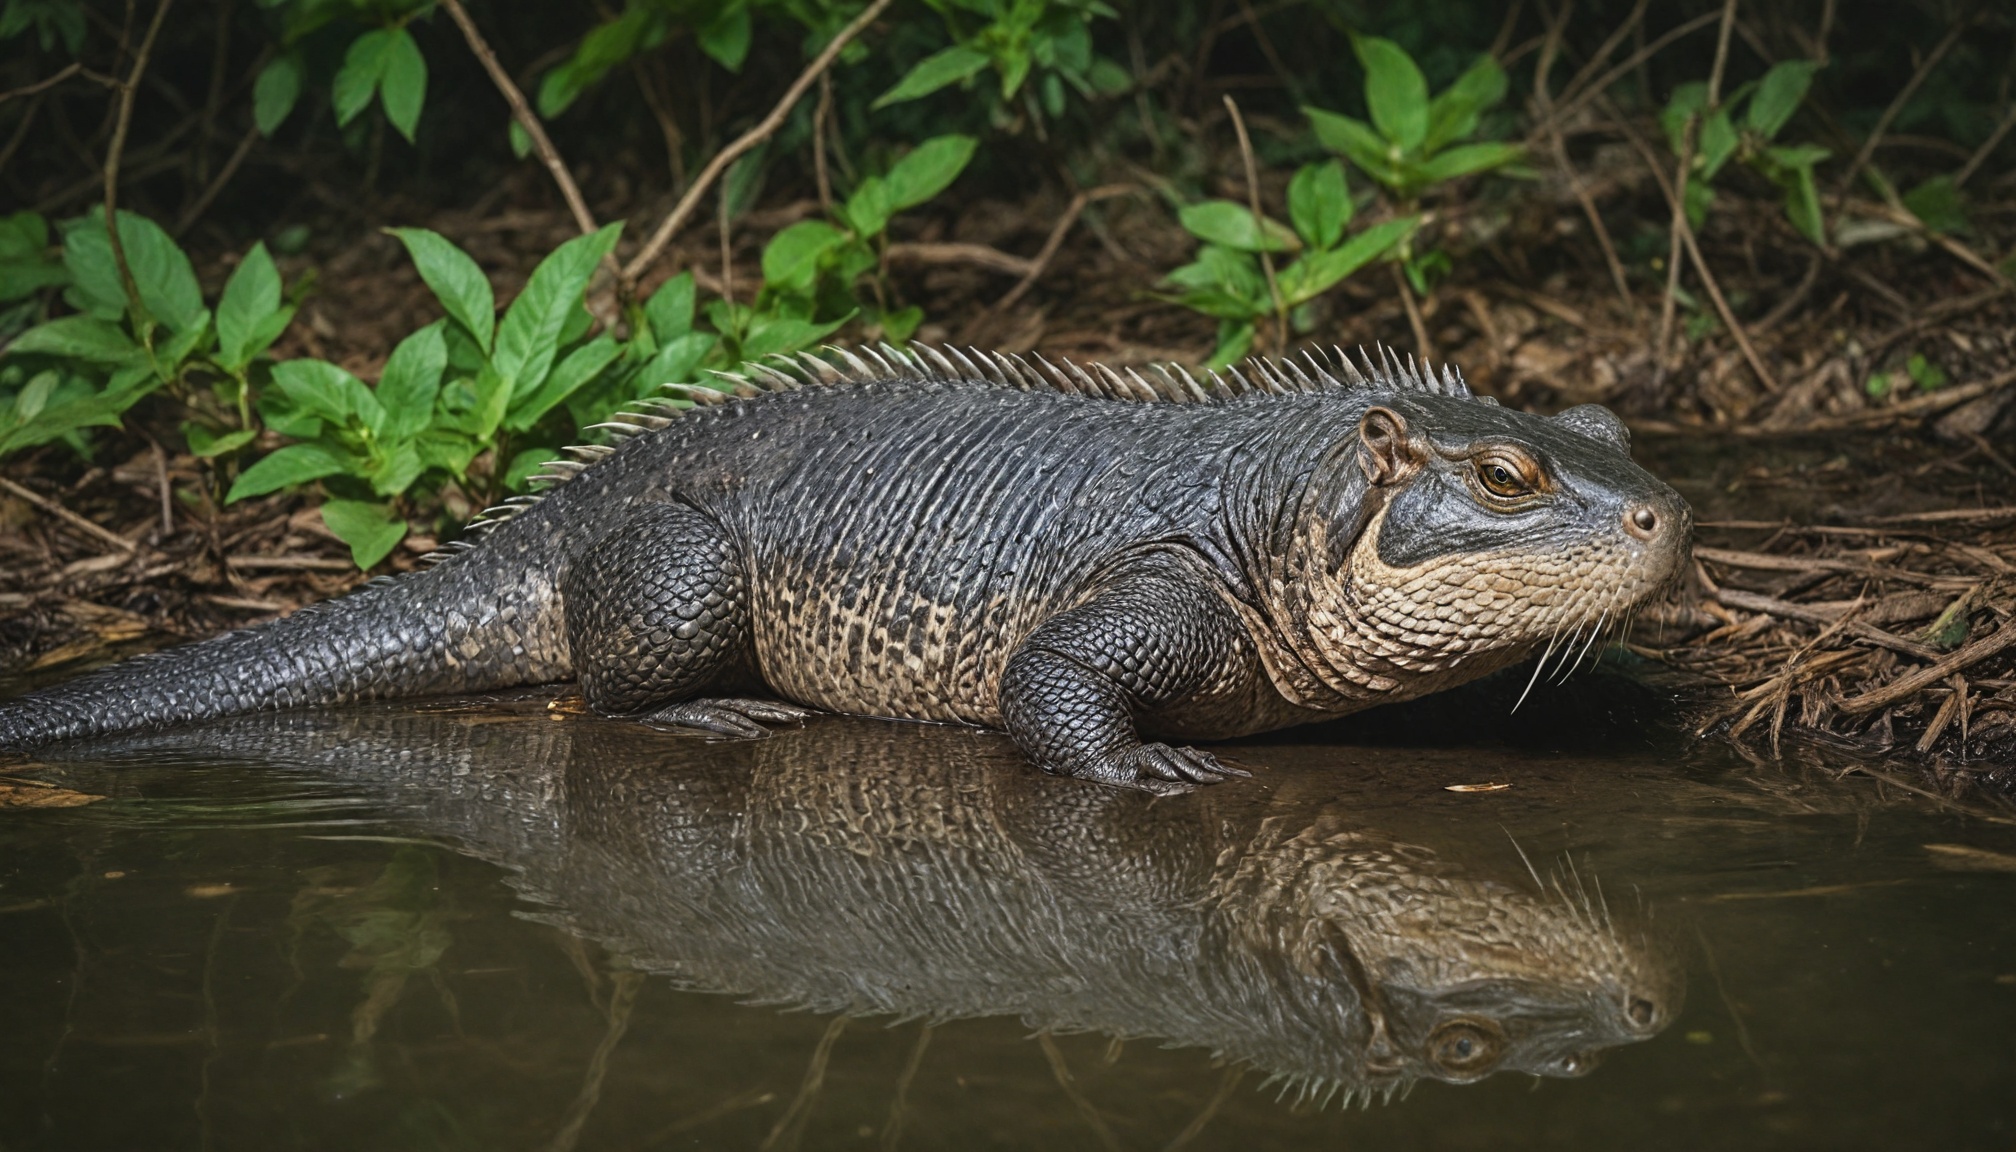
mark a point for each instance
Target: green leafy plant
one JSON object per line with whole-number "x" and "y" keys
{"x": 1743, "y": 128}
{"x": 120, "y": 346}
{"x": 1228, "y": 281}
{"x": 456, "y": 389}
{"x": 383, "y": 62}
{"x": 1917, "y": 371}
{"x": 1416, "y": 143}
{"x": 1050, "y": 40}
{"x": 811, "y": 269}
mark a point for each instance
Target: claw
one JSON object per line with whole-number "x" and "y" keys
{"x": 731, "y": 717}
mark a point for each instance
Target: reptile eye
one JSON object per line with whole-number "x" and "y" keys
{"x": 1465, "y": 1048}
{"x": 1503, "y": 478}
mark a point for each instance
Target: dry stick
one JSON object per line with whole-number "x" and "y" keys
{"x": 161, "y": 481}
{"x": 522, "y": 112}
{"x": 1041, "y": 261}
{"x": 1414, "y": 318}
{"x": 1615, "y": 40}
{"x": 224, "y": 175}
{"x": 1570, "y": 105}
{"x": 112, "y": 154}
{"x": 819, "y": 118}
{"x": 892, "y": 1129}
{"x": 808, "y": 1090}
{"x": 1694, "y": 257}
{"x": 20, "y": 131}
{"x": 668, "y": 126}
{"x": 1195, "y": 1128}
{"x": 669, "y": 227}
{"x": 66, "y": 515}
{"x": 1972, "y": 654}
{"x": 1560, "y": 146}
{"x": 1988, "y": 146}
{"x": 1253, "y": 202}
{"x": 41, "y": 85}
{"x": 1925, "y": 67}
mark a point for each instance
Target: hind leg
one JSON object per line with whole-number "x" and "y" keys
{"x": 658, "y": 619}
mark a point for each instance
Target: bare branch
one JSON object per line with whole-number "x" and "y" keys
{"x": 681, "y": 212}
{"x": 116, "y": 148}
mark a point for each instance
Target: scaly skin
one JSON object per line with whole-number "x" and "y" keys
{"x": 1096, "y": 575}
{"x": 908, "y": 871}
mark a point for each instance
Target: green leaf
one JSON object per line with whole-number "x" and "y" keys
{"x": 403, "y": 86}
{"x": 578, "y": 368}
{"x": 1792, "y": 170}
{"x": 1937, "y": 204}
{"x": 1778, "y": 96}
{"x": 670, "y": 309}
{"x": 1356, "y": 140}
{"x": 1453, "y": 114}
{"x": 529, "y": 336}
{"x": 1395, "y": 91}
{"x": 602, "y": 49}
{"x": 250, "y": 297}
{"x": 526, "y": 464}
{"x": 207, "y": 444}
{"x": 167, "y": 282}
{"x": 1319, "y": 203}
{"x": 868, "y": 209}
{"x": 1235, "y": 339}
{"x": 1687, "y": 100}
{"x": 950, "y": 66}
{"x": 276, "y": 92}
{"x": 780, "y": 335}
{"x": 677, "y": 362}
{"x": 1233, "y": 226}
{"x": 278, "y": 411}
{"x": 396, "y": 470}
{"x": 1926, "y": 374}
{"x": 369, "y": 529}
{"x": 899, "y": 325}
{"x": 928, "y": 170}
{"x": 1714, "y": 145}
{"x": 286, "y": 467}
{"x": 726, "y": 37}
{"x": 1466, "y": 159}
{"x": 791, "y": 259}
{"x": 363, "y": 67}
{"x": 411, "y": 380}
{"x": 1318, "y": 272}
{"x": 521, "y": 140}
{"x": 78, "y": 338}
{"x": 328, "y": 392}
{"x": 457, "y": 282}
{"x": 34, "y": 397}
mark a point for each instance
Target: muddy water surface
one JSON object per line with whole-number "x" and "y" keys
{"x": 499, "y": 926}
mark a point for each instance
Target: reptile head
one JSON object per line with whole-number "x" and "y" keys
{"x": 1474, "y": 536}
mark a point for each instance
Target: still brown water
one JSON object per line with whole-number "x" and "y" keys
{"x": 486, "y": 927}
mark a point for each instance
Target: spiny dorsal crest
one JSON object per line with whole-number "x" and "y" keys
{"x": 1312, "y": 372}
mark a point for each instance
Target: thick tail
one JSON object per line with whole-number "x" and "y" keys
{"x": 480, "y": 621}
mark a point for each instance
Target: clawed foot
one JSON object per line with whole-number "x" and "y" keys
{"x": 1165, "y": 771}
{"x": 730, "y": 716}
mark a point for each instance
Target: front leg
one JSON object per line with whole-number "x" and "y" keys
{"x": 1073, "y": 690}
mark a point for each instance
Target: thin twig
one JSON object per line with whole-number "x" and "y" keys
{"x": 66, "y": 515}
{"x": 668, "y": 125}
{"x": 1414, "y": 318}
{"x": 522, "y": 112}
{"x": 224, "y": 175}
{"x": 1693, "y": 252}
{"x": 1570, "y": 105}
{"x": 42, "y": 85}
{"x": 892, "y": 1129}
{"x": 1259, "y": 229}
{"x": 1085, "y": 1107}
{"x": 820, "y": 116}
{"x": 676, "y": 219}
{"x": 163, "y": 489}
{"x": 790, "y": 1123}
{"x": 1987, "y": 148}
{"x": 1560, "y": 146}
{"x": 1925, "y": 67}
{"x": 2004, "y": 637}
{"x": 1609, "y": 45}
{"x": 112, "y": 155}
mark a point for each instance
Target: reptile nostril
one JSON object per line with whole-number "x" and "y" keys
{"x": 1641, "y": 522}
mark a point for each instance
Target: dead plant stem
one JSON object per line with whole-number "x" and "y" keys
{"x": 1560, "y": 146}
{"x": 1259, "y": 221}
{"x": 1897, "y": 103}
{"x": 763, "y": 130}
{"x": 127, "y": 89}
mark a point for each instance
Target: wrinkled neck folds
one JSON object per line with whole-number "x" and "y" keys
{"x": 1341, "y": 629}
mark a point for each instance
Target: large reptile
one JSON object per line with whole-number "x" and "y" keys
{"x": 882, "y": 871}
{"x": 1088, "y": 559}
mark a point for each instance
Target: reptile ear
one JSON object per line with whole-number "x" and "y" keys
{"x": 1386, "y": 452}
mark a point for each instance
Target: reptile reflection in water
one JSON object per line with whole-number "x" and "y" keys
{"x": 915, "y": 871}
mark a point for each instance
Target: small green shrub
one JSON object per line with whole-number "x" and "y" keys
{"x": 1742, "y": 128}
{"x": 1227, "y": 281}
